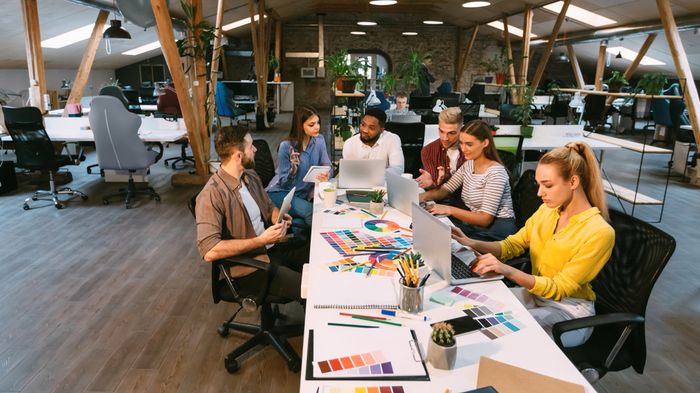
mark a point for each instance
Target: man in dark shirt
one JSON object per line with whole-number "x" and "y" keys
{"x": 425, "y": 77}
{"x": 235, "y": 216}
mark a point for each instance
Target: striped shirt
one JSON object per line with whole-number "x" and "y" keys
{"x": 487, "y": 192}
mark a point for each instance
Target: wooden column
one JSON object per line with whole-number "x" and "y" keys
{"x": 527, "y": 28}
{"x": 633, "y": 66}
{"x": 278, "y": 47}
{"x": 200, "y": 83}
{"x": 464, "y": 57}
{"x": 81, "y": 78}
{"x": 321, "y": 47}
{"x": 550, "y": 45}
{"x": 260, "y": 32}
{"x": 575, "y": 67}
{"x": 690, "y": 92}
{"x": 164, "y": 29}
{"x": 600, "y": 66}
{"x": 509, "y": 51}
{"x": 215, "y": 60}
{"x": 35, "y": 58}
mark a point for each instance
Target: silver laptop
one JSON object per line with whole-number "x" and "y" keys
{"x": 451, "y": 260}
{"x": 402, "y": 192}
{"x": 361, "y": 174}
{"x": 405, "y": 119}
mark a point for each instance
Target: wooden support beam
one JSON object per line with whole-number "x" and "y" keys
{"x": 690, "y": 92}
{"x": 600, "y": 66}
{"x": 35, "y": 58}
{"x": 321, "y": 46}
{"x": 575, "y": 67}
{"x": 260, "y": 32}
{"x": 81, "y": 78}
{"x": 550, "y": 45}
{"x": 200, "y": 77}
{"x": 278, "y": 48}
{"x": 527, "y": 28}
{"x": 215, "y": 60}
{"x": 164, "y": 29}
{"x": 465, "y": 56}
{"x": 509, "y": 51}
{"x": 633, "y": 66}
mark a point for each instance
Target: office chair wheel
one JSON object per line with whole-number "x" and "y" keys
{"x": 223, "y": 331}
{"x": 294, "y": 366}
{"x": 58, "y": 206}
{"x": 157, "y": 198}
{"x": 84, "y": 197}
{"x": 25, "y": 206}
{"x": 35, "y": 198}
{"x": 231, "y": 365}
{"x": 127, "y": 205}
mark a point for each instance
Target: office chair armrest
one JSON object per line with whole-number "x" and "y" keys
{"x": 243, "y": 261}
{"x": 560, "y": 328}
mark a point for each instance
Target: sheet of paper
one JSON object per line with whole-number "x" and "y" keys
{"x": 510, "y": 379}
{"x": 333, "y": 221}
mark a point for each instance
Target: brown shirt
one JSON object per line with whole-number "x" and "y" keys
{"x": 221, "y": 214}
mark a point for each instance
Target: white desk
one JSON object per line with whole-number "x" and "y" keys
{"x": 529, "y": 348}
{"x": 544, "y": 137}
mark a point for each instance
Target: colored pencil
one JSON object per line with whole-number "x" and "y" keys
{"x": 403, "y": 252}
{"x": 377, "y": 320}
{"x": 354, "y": 266}
{"x": 374, "y": 263}
{"x": 384, "y": 214}
{"x": 406, "y": 229}
{"x": 351, "y": 325}
{"x": 347, "y": 314}
{"x": 366, "y": 212}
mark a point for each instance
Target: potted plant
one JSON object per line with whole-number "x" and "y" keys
{"x": 410, "y": 71}
{"x": 389, "y": 82}
{"x": 523, "y": 112}
{"x": 616, "y": 81}
{"x": 442, "y": 348}
{"x": 343, "y": 71}
{"x": 498, "y": 65}
{"x": 376, "y": 201}
{"x": 651, "y": 83}
{"x": 342, "y": 131}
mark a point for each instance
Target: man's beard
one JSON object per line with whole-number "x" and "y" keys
{"x": 367, "y": 140}
{"x": 248, "y": 163}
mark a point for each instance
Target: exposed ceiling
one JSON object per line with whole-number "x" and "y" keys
{"x": 59, "y": 16}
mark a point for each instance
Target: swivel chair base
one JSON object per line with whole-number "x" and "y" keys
{"x": 130, "y": 192}
{"x": 52, "y": 194}
{"x": 183, "y": 157}
{"x": 263, "y": 335}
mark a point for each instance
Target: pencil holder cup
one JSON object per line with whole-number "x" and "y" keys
{"x": 410, "y": 298}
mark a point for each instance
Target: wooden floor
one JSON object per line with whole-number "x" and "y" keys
{"x": 97, "y": 298}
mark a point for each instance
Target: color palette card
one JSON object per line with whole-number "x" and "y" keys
{"x": 499, "y": 325}
{"x": 341, "y": 353}
{"x": 362, "y": 389}
{"x": 347, "y": 211}
{"x": 383, "y": 268}
{"x": 477, "y": 311}
{"x": 345, "y": 241}
{"x": 478, "y": 297}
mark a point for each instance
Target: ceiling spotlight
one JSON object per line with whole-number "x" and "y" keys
{"x": 562, "y": 58}
{"x": 432, "y": 22}
{"x": 366, "y": 23}
{"x": 358, "y": 33}
{"x": 116, "y": 31}
{"x": 619, "y": 55}
{"x": 409, "y": 33}
{"x": 383, "y": 2}
{"x": 476, "y": 4}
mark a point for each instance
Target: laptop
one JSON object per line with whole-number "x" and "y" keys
{"x": 405, "y": 119}
{"x": 451, "y": 260}
{"x": 361, "y": 174}
{"x": 402, "y": 192}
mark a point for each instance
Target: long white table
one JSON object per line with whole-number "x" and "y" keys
{"x": 544, "y": 137}
{"x": 528, "y": 348}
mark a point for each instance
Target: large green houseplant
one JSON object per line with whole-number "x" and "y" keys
{"x": 343, "y": 71}
{"x": 651, "y": 84}
{"x": 616, "y": 81}
{"x": 523, "y": 112}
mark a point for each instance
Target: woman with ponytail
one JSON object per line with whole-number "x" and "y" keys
{"x": 568, "y": 237}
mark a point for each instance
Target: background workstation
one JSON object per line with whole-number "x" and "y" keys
{"x": 99, "y": 298}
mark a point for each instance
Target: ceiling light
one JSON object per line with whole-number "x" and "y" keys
{"x": 366, "y": 23}
{"x": 432, "y": 22}
{"x": 116, "y": 31}
{"x": 409, "y": 33}
{"x": 511, "y": 29}
{"x": 69, "y": 37}
{"x": 476, "y": 4}
{"x": 630, "y": 55}
{"x": 383, "y": 2}
{"x": 619, "y": 55}
{"x": 358, "y": 33}
{"x": 142, "y": 49}
{"x": 561, "y": 58}
{"x": 580, "y": 14}
{"x": 239, "y": 23}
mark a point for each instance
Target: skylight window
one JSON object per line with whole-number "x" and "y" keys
{"x": 580, "y": 14}
{"x": 69, "y": 38}
{"x": 630, "y": 55}
{"x": 512, "y": 30}
{"x": 142, "y": 49}
{"x": 239, "y": 23}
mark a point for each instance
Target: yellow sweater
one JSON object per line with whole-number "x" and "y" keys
{"x": 564, "y": 263}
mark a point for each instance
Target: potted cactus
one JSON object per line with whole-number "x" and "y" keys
{"x": 442, "y": 348}
{"x": 376, "y": 201}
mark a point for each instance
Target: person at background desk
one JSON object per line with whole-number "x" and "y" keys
{"x": 401, "y": 107}
{"x": 485, "y": 188}
{"x": 568, "y": 237}
{"x": 441, "y": 158}
{"x": 303, "y": 148}
{"x": 375, "y": 143}
{"x": 236, "y": 217}
{"x": 425, "y": 77}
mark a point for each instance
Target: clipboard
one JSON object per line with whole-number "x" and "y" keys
{"x": 314, "y": 171}
{"x": 424, "y": 376}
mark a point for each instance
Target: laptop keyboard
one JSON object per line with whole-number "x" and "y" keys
{"x": 460, "y": 270}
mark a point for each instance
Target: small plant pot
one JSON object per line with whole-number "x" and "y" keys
{"x": 500, "y": 78}
{"x": 376, "y": 208}
{"x": 526, "y": 131}
{"x": 339, "y": 84}
{"x": 349, "y": 85}
{"x": 440, "y": 357}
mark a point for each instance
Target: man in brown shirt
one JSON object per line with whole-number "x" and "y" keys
{"x": 235, "y": 216}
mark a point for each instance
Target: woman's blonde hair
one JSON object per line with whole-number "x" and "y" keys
{"x": 577, "y": 158}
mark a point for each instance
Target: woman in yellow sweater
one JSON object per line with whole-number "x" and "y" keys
{"x": 568, "y": 237}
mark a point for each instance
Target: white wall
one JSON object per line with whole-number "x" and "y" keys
{"x": 16, "y": 80}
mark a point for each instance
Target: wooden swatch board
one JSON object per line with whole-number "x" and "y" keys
{"x": 510, "y": 379}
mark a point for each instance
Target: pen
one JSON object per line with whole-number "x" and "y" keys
{"x": 422, "y": 282}
{"x": 347, "y": 314}
{"x": 399, "y": 314}
{"x": 377, "y": 320}
{"x": 351, "y": 325}
{"x": 366, "y": 212}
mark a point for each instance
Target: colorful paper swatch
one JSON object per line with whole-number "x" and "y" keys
{"x": 499, "y": 325}
{"x": 362, "y": 389}
{"x": 368, "y": 363}
{"x": 476, "y": 311}
{"x": 478, "y": 297}
{"x": 381, "y": 225}
{"x": 345, "y": 210}
{"x": 383, "y": 268}
{"x": 345, "y": 241}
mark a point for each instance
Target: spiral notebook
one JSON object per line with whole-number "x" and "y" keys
{"x": 353, "y": 292}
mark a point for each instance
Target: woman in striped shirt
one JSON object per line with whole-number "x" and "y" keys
{"x": 485, "y": 188}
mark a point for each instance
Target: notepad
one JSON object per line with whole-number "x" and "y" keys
{"x": 314, "y": 171}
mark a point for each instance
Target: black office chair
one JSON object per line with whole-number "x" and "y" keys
{"x": 595, "y": 112}
{"x": 224, "y": 287}
{"x": 507, "y": 115}
{"x": 525, "y": 198}
{"x": 412, "y": 136}
{"x": 470, "y": 111}
{"x": 622, "y": 291}
{"x": 558, "y": 108}
{"x": 449, "y": 99}
{"x": 115, "y": 91}
{"x": 169, "y": 109}
{"x": 36, "y": 152}
{"x": 476, "y": 93}
{"x": 510, "y": 149}
{"x": 264, "y": 166}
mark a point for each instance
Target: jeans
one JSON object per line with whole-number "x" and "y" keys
{"x": 500, "y": 229}
{"x": 302, "y": 212}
